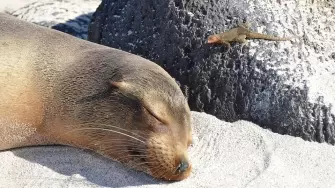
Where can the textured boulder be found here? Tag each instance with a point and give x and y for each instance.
(287, 87)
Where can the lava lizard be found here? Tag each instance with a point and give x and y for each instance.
(240, 34)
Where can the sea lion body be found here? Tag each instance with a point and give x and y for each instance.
(57, 89)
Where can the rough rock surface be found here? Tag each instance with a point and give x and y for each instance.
(287, 87)
(69, 16)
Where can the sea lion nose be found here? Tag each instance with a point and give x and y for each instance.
(183, 166)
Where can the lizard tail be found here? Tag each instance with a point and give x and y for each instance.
(253, 35)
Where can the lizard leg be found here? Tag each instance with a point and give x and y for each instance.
(227, 44)
(242, 39)
(245, 25)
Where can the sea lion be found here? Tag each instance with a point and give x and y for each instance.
(58, 89)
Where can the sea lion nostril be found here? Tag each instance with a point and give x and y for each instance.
(183, 166)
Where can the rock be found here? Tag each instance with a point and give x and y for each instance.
(288, 87)
(69, 16)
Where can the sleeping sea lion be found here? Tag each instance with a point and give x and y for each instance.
(58, 89)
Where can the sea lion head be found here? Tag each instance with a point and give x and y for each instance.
(131, 110)
(163, 126)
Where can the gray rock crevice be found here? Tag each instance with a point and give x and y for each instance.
(283, 86)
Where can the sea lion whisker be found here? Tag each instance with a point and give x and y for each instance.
(124, 148)
(131, 156)
(119, 152)
(97, 132)
(118, 139)
(119, 149)
(121, 146)
(119, 143)
(162, 174)
(141, 164)
(145, 134)
(124, 141)
(125, 157)
(108, 125)
(137, 155)
(156, 170)
(165, 173)
(145, 163)
(98, 129)
(109, 130)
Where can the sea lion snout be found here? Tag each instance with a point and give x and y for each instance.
(168, 159)
(183, 169)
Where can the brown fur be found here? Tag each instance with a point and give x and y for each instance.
(57, 89)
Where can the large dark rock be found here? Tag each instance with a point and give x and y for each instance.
(287, 87)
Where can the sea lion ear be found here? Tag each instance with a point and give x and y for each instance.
(125, 88)
(122, 86)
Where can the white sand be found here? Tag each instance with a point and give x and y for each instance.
(238, 154)
(11, 5)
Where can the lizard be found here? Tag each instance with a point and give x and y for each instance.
(240, 34)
